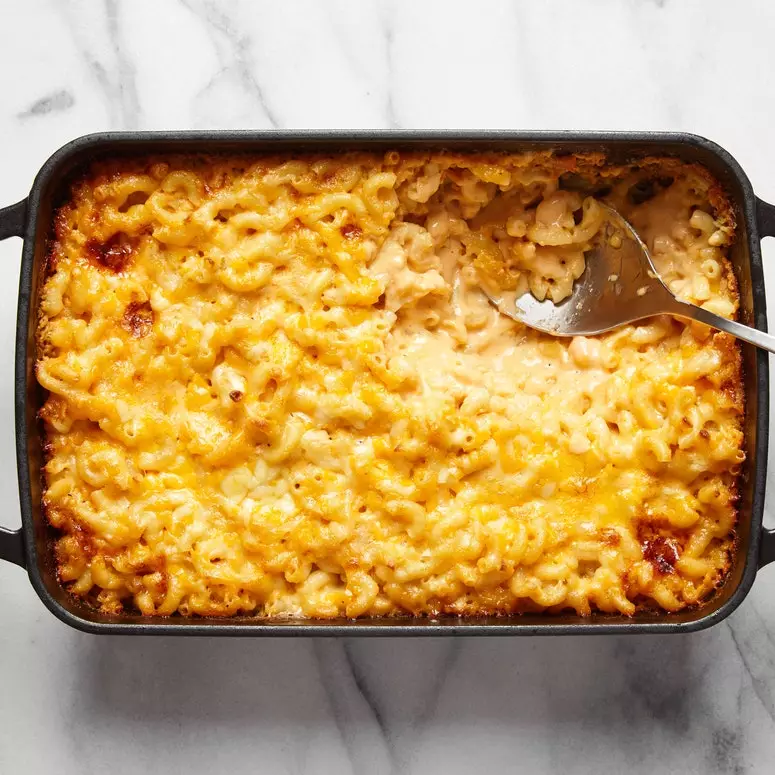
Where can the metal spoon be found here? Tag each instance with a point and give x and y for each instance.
(619, 285)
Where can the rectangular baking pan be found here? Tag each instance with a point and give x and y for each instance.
(31, 219)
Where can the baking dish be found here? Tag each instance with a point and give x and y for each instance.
(31, 219)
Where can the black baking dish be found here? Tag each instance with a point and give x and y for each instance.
(31, 546)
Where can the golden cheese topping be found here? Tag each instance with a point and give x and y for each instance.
(275, 388)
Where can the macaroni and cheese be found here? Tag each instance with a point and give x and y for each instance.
(276, 389)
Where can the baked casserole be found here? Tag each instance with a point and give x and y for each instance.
(276, 389)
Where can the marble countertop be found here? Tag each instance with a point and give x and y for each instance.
(77, 704)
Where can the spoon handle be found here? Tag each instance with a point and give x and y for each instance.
(746, 333)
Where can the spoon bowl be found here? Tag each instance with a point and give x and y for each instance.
(619, 285)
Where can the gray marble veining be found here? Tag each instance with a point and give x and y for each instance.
(73, 703)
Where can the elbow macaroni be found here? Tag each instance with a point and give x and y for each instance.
(276, 389)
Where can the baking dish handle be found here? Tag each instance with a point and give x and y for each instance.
(12, 222)
(765, 220)
(12, 546)
(767, 548)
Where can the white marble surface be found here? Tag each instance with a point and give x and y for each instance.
(76, 704)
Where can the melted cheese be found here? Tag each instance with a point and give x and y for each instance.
(276, 388)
